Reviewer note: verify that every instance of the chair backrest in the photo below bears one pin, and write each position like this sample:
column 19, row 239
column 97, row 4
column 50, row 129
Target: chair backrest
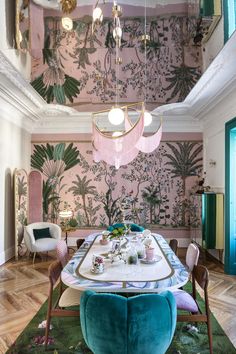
column 136, row 325
column 174, row 245
column 54, row 272
column 192, row 256
column 62, row 252
column 200, row 274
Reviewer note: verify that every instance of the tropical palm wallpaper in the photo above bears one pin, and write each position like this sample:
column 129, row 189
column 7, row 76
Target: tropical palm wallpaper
column 78, row 66
column 153, row 189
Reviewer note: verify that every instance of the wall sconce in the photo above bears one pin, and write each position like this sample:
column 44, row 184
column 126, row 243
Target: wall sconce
column 212, row 163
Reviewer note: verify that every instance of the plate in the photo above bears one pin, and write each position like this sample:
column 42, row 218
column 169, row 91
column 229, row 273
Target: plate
column 154, row 260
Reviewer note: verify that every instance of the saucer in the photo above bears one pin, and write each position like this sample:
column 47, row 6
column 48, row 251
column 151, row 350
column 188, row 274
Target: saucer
column 92, row 271
column 154, row 260
column 104, row 242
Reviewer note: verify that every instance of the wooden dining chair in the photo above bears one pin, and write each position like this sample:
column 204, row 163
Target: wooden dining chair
column 79, row 242
column 174, row 245
column 187, row 302
column 66, row 298
column 62, row 252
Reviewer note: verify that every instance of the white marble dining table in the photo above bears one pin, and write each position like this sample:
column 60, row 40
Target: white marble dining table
column 170, row 275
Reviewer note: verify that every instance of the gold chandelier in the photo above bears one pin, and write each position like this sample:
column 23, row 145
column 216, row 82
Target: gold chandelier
column 68, row 6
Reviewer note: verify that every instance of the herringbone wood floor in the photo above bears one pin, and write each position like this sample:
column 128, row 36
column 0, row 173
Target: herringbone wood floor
column 24, row 287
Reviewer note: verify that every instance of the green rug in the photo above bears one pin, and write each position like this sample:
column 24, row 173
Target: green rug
column 66, row 337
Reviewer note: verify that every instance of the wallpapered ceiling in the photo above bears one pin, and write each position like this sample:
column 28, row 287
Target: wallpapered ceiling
column 79, row 66
column 153, row 189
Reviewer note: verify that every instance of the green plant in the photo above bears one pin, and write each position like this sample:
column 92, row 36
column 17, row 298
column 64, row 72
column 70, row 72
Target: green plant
column 117, row 232
column 111, row 207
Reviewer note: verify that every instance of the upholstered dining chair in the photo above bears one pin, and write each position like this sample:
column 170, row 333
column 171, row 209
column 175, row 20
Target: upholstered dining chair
column 187, row 302
column 49, row 235
column 192, row 256
column 141, row 324
column 174, row 245
column 67, row 297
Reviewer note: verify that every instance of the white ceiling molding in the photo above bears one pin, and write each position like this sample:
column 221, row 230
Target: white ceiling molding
column 188, row 116
column 20, row 95
column 217, row 82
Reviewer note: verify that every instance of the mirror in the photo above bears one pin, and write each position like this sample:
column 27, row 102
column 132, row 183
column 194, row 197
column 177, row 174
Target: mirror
column 21, row 209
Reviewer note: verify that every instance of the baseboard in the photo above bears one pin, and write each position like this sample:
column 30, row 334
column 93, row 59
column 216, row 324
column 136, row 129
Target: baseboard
column 6, row 255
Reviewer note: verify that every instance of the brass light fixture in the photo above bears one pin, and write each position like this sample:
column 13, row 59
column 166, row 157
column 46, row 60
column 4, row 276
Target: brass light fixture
column 68, row 6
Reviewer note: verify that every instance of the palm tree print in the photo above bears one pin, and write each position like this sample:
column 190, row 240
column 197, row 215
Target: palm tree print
column 22, row 189
column 52, row 161
column 151, row 195
column 181, row 79
column 82, row 188
column 185, row 160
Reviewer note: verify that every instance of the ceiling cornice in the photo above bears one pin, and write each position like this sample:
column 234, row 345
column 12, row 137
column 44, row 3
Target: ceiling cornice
column 188, row 116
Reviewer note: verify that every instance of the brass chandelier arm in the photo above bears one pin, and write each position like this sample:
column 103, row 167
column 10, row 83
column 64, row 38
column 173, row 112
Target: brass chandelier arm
column 126, row 132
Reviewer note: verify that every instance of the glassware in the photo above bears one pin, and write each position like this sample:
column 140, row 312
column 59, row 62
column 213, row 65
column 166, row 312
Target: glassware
column 132, row 256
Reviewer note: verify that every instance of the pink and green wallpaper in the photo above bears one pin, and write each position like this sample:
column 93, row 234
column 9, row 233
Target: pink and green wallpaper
column 79, row 66
column 153, row 189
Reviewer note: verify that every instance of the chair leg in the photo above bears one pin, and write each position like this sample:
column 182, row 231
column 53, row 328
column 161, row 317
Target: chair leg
column 47, row 331
column 34, row 257
column 209, row 336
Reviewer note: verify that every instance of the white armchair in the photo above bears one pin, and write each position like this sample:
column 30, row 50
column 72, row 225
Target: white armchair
column 43, row 244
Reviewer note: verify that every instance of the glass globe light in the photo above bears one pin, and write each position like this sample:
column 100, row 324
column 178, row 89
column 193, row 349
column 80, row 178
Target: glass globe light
column 115, row 134
column 97, row 15
column 67, row 23
column 117, row 33
column 116, row 116
column 147, row 119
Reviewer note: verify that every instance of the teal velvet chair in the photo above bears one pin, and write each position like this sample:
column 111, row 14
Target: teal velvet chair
column 114, row 324
column 133, row 227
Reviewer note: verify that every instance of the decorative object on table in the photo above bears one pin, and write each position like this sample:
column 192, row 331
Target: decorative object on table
column 132, row 256
column 44, row 244
column 149, row 253
column 155, row 259
column 140, row 248
column 98, row 264
column 105, row 237
column 105, row 315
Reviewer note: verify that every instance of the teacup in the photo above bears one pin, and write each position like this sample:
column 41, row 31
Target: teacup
column 105, row 237
column 149, row 254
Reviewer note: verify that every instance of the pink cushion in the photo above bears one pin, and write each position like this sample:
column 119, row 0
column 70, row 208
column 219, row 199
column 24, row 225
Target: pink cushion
column 185, row 301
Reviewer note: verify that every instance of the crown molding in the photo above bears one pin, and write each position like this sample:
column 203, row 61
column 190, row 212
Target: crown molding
column 218, row 81
column 19, row 95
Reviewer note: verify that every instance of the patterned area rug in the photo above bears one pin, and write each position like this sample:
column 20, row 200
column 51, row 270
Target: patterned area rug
column 66, row 337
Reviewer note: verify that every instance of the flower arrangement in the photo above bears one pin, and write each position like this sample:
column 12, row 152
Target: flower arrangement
column 117, row 233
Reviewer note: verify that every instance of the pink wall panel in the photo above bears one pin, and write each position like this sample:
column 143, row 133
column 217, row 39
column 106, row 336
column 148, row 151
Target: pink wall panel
column 35, row 197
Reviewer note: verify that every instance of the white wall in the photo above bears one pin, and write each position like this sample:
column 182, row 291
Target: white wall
column 14, row 153
column 213, row 46
column 214, row 140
